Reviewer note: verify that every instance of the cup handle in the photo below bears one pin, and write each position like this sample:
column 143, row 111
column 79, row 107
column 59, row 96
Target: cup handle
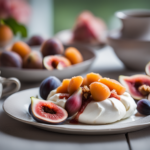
column 7, row 89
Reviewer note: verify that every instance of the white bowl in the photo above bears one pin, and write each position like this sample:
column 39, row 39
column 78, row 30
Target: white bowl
column 34, row 75
column 135, row 54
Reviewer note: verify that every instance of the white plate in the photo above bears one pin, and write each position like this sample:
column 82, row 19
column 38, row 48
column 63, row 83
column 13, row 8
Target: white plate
column 16, row 106
column 33, row 75
column 65, row 37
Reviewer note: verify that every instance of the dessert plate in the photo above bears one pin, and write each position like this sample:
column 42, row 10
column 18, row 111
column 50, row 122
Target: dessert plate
column 16, row 106
column 33, row 75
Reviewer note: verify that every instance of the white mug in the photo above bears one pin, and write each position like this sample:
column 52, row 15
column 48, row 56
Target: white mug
column 9, row 86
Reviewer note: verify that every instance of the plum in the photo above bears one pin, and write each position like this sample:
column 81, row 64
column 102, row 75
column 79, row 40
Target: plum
column 52, row 47
column 143, row 107
column 33, row 60
column 74, row 102
column 47, row 112
column 47, row 85
column 10, row 59
column 35, row 40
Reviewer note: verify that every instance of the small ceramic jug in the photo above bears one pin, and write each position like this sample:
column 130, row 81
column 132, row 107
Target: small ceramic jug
column 9, row 86
column 135, row 23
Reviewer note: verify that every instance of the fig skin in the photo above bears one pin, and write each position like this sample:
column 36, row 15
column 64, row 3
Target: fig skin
column 132, row 83
column 52, row 47
column 10, row 59
column 35, row 40
column 47, row 85
column 147, row 69
column 33, row 60
column 74, row 102
column 143, row 107
column 47, row 112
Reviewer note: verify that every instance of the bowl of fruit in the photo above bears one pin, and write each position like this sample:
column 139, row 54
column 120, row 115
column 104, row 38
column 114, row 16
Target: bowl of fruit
column 51, row 58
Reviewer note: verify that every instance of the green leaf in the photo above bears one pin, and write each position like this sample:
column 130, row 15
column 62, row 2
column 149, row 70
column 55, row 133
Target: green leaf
column 16, row 27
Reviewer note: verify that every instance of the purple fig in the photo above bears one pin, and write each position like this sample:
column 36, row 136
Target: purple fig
column 74, row 102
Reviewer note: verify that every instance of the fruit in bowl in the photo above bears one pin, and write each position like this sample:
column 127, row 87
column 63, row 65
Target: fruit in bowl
column 35, row 40
column 99, row 101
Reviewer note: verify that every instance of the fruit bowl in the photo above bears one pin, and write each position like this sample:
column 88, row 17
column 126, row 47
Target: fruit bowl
column 34, row 75
column 133, row 53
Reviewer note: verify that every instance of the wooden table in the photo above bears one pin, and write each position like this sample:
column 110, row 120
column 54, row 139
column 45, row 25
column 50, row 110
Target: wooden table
column 15, row 135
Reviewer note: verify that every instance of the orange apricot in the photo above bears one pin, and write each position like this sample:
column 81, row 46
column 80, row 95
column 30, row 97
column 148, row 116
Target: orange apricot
column 99, row 91
column 84, row 82
column 63, row 88
column 92, row 77
column 74, row 84
column 73, row 55
column 113, row 85
column 21, row 48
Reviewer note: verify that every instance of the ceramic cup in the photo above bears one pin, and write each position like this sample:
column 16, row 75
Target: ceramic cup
column 9, row 86
column 135, row 23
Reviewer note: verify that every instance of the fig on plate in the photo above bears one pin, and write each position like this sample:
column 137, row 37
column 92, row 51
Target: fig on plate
column 55, row 62
column 74, row 102
column 47, row 112
column 147, row 69
column 143, row 107
column 134, row 83
column 52, row 47
column 47, row 85
column 10, row 59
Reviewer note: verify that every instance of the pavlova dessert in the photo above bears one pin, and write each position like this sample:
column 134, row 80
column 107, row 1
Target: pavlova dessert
column 89, row 100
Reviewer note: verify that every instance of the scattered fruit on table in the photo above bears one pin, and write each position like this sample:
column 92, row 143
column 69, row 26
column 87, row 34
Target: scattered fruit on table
column 47, row 112
column 33, row 60
column 56, row 62
column 73, row 55
column 52, row 47
column 21, row 48
column 10, row 59
column 47, row 85
column 89, row 29
column 147, row 69
column 136, row 85
column 35, row 40
column 6, row 34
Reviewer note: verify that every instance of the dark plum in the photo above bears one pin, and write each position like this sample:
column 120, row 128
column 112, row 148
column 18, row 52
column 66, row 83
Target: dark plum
column 74, row 102
column 35, row 40
column 52, row 47
column 48, row 85
column 47, row 112
column 143, row 107
column 10, row 59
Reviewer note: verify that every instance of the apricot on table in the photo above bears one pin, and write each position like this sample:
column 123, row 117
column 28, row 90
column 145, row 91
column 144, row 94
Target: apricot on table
column 99, row 91
column 21, row 48
column 74, row 84
column 73, row 55
column 92, row 77
column 63, row 88
column 113, row 85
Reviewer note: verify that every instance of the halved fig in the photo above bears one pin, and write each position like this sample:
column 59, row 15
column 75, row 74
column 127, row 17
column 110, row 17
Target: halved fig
column 133, row 83
column 147, row 69
column 47, row 112
column 55, row 62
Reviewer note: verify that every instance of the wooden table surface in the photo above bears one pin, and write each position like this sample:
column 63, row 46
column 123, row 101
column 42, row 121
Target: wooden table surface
column 15, row 135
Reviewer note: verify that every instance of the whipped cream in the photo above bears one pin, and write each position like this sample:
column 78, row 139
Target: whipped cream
column 103, row 112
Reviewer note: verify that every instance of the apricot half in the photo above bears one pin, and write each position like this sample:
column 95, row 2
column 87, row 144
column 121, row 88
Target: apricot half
column 63, row 88
column 74, row 84
column 99, row 91
column 113, row 85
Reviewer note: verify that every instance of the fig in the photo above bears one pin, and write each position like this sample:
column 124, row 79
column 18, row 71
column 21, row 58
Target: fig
column 35, row 40
column 47, row 112
column 55, row 62
column 47, row 85
column 10, row 59
column 74, row 102
column 147, row 69
column 33, row 60
column 52, row 47
column 143, row 107
column 133, row 84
